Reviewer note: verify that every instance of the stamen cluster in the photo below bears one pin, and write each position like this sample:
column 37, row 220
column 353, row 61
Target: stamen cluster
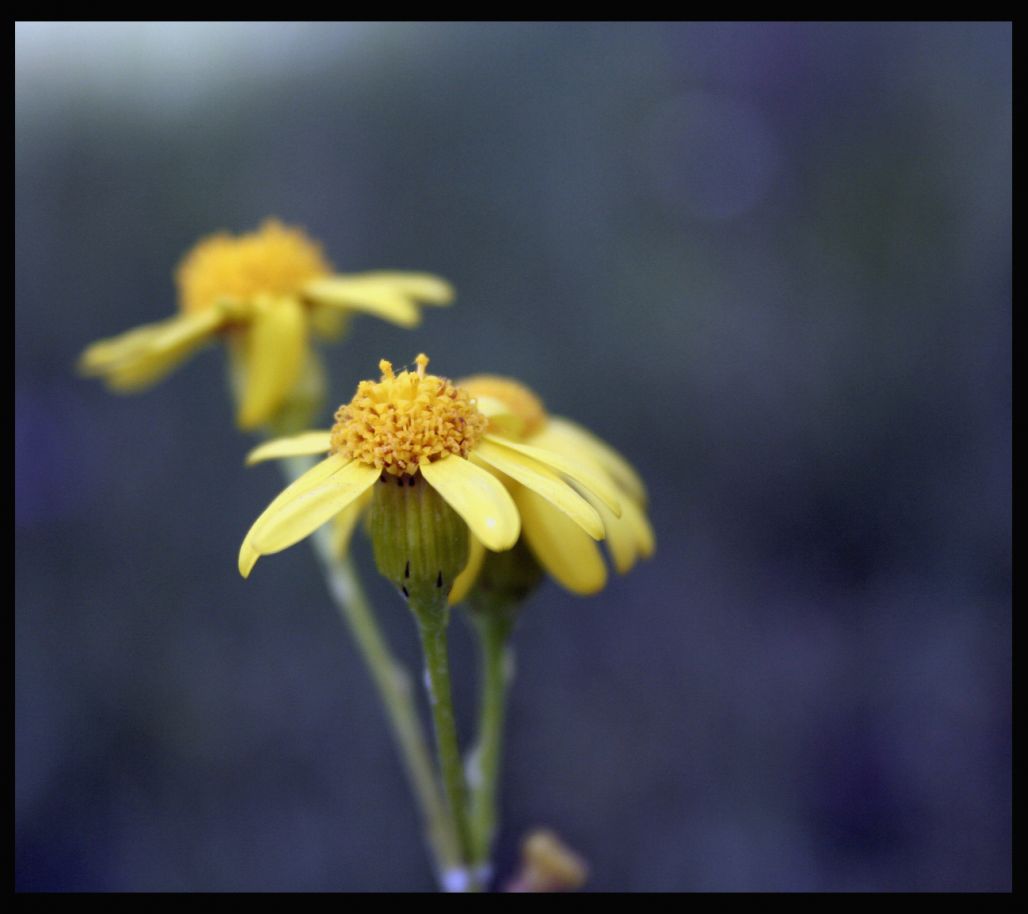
column 403, row 419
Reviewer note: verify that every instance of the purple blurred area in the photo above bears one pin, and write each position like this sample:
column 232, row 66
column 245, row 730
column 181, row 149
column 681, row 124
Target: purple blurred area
column 770, row 263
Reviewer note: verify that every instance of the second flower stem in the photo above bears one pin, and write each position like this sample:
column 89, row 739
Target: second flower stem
column 493, row 630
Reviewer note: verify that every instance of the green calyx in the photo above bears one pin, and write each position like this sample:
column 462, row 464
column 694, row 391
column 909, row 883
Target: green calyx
column 505, row 581
column 419, row 541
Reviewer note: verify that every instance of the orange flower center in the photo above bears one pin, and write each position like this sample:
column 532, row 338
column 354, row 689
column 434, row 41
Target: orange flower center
column 403, row 419
column 276, row 260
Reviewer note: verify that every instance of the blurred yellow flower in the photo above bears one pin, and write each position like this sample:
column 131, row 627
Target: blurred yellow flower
column 558, row 544
column 265, row 292
column 415, row 426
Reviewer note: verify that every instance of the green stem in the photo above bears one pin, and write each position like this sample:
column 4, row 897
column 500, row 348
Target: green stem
column 394, row 687
column 493, row 629
column 432, row 622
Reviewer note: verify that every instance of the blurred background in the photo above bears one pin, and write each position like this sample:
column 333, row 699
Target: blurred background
column 771, row 263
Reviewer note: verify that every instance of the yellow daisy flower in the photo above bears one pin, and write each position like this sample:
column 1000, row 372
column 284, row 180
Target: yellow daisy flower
column 414, row 428
column 265, row 292
column 560, row 546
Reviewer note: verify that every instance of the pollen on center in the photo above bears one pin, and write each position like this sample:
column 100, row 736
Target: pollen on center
column 403, row 419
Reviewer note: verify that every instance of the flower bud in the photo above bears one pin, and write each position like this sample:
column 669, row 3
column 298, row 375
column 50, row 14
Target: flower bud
column 505, row 581
column 548, row 865
column 419, row 542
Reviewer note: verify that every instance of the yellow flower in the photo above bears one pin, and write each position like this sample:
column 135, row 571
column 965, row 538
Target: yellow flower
column 265, row 292
column 414, row 426
column 560, row 546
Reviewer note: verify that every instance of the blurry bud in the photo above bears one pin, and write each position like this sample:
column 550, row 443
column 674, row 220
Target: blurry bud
column 505, row 581
column 548, row 865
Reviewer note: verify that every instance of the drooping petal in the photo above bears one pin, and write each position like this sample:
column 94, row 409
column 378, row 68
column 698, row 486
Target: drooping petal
column 346, row 522
column 463, row 583
column 491, row 406
column 424, row 287
column 544, row 482
column 275, row 347
column 566, row 553
column 294, row 446
column 581, row 472
column 140, row 357
column 620, row 540
column 247, row 558
column 629, row 536
column 304, row 506
column 645, row 541
column 569, row 437
column 501, row 419
column 478, row 497
column 314, row 478
column 368, row 296
column 101, row 355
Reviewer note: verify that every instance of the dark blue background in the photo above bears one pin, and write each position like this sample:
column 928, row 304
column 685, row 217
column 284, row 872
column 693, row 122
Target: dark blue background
column 771, row 263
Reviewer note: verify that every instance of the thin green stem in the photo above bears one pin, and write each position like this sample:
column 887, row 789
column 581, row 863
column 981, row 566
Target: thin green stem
column 493, row 629
column 393, row 682
column 432, row 622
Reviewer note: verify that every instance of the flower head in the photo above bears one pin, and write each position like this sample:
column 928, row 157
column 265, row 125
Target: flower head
column 265, row 292
column 415, row 428
column 559, row 544
column 276, row 260
column 398, row 422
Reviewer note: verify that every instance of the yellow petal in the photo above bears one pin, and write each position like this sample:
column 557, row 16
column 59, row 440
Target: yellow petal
column 569, row 437
column 544, row 482
column 294, row 446
column 466, row 579
column 584, row 473
column 645, row 541
column 101, row 355
column 621, row 543
column 138, row 358
column 477, row 496
column 567, row 554
column 247, row 558
column 501, row 419
column 275, row 346
column 424, row 287
column 144, row 370
column 313, row 478
column 305, row 513
column 629, row 536
column 379, row 299
column 346, row 521
column 491, row 406
column 301, row 515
